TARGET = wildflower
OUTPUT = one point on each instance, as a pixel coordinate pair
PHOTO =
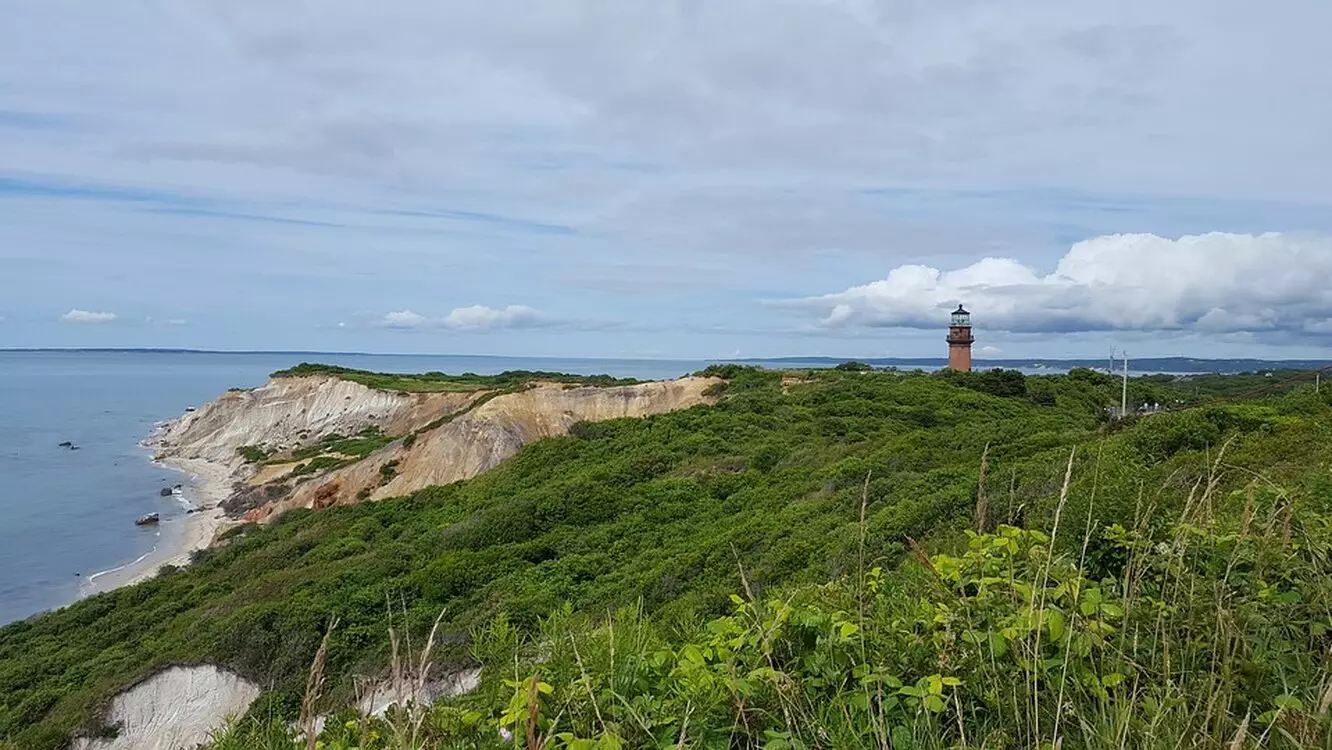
(506, 734)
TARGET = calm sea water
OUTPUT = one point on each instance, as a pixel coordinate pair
(66, 512)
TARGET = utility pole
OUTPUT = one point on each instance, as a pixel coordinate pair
(1123, 398)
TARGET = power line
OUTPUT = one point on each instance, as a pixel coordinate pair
(1304, 375)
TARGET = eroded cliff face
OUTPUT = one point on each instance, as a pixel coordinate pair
(293, 411)
(439, 437)
(479, 439)
(176, 708)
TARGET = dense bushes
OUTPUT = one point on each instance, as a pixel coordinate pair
(661, 511)
(997, 382)
(1212, 633)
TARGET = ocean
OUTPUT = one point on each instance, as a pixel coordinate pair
(66, 515)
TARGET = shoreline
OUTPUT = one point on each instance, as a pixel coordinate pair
(210, 485)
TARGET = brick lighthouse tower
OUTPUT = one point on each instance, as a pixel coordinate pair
(960, 341)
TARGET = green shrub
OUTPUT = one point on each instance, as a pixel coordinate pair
(853, 366)
(387, 471)
(253, 453)
(318, 464)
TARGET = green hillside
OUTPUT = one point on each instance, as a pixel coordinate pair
(787, 568)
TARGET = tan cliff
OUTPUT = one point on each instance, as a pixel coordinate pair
(480, 439)
(453, 435)
(288, 412)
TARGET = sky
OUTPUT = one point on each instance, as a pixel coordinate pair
(668, 178)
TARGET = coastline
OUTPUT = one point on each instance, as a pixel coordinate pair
(209, 485)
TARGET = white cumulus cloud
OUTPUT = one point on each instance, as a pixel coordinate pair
(480, 316)
(471, 318)
(1212, 283)
(84, 316)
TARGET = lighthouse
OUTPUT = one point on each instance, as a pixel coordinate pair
(960, 341)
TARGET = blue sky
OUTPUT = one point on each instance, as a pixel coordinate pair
(668, 178)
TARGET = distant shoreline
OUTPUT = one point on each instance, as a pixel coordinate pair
(155, 350)
(1145, 365)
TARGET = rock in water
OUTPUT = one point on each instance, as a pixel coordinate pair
(166, 492)
(148, 520)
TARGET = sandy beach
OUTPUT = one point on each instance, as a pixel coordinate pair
(210, 485)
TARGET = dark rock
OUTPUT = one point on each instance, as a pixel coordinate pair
(148, 520)
(166, 492)
(244, 499)
(66, 444)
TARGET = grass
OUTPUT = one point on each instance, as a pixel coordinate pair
(1211, 632)
(359, 446)
(438, 381)
(318, 464)
(253, 453)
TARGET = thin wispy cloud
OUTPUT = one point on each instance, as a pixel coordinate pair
(471, 318)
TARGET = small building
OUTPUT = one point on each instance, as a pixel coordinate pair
(960, 341)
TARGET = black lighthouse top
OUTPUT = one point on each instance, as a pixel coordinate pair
(961, 318)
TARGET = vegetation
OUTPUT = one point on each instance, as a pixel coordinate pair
(318, 464)
(253, 453)
(1212, 632)
(1194, 389)
(438, 381)
(787, 568)
(853, 366)
(368, 441)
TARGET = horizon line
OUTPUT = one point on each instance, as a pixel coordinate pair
(779, 358)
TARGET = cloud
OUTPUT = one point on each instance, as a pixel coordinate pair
(583, 143)
(471, 318)
(482, 317)
(1213, 283)
(404, 319)
(84, 316)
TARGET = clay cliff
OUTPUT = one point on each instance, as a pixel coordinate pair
(290, 412)
(429, 438)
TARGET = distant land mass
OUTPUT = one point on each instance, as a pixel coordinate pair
(1178, 365)
(1182, 365)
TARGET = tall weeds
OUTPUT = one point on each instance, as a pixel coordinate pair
(1211, 631)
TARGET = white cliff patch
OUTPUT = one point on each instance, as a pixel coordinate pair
(377, 700)
(175, 709)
